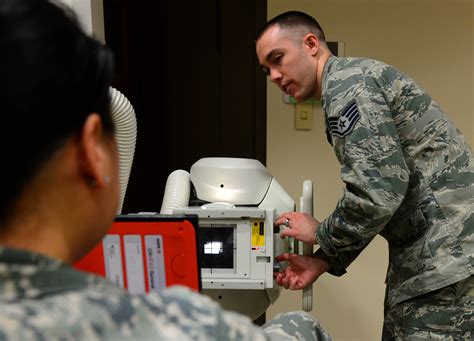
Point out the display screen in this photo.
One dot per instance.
(217, 246)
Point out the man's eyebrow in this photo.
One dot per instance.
(271, 54)
(269, 57)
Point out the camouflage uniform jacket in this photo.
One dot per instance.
(44, 299)
(408, 174)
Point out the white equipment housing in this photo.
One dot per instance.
(238, 242)
(223, 233)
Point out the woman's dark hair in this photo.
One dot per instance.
(293, 19)
(52, 76)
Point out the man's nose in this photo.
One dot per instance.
(275, 76)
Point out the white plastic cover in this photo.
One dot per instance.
(234, 180)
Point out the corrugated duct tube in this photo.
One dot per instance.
(177, 191)
(125, 121)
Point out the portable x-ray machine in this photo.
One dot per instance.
(237, 201)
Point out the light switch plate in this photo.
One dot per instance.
(303, 116)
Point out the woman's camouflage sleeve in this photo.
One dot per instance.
(373, 168)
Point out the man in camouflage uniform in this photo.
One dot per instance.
(409, 176)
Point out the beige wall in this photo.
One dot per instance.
(430, 40)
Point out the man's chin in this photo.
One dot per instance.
(300, 98)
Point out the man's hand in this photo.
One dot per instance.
(301, 272)
(301, 226)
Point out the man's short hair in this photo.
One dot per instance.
(294, 19)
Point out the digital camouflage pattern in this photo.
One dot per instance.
(291, 325)
(409, 176)
(444, 314)
(44, 299)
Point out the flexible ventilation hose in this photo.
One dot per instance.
(125, 136)
(177, 190)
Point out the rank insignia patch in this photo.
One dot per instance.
(343, 125)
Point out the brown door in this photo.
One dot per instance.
(190, 71)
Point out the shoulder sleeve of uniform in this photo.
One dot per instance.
(373, 168)
(179, 312)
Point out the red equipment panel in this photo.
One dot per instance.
(147, 253)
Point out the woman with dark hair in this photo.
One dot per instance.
(60, 194)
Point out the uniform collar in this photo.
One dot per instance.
(327, 69)
(24, 258)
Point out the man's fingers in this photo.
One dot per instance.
(285, 256)
(281, 219)
(287, 215)
(282, 257)
(294, 283)
(283, 280)
(288, 233)
(278, 278)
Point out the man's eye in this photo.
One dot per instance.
(277, 59)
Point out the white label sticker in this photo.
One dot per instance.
(134, 264)
(113, 259)
(155, 262)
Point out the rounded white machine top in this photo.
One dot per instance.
(233, 180)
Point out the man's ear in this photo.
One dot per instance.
(311, 42)
(92, 153)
